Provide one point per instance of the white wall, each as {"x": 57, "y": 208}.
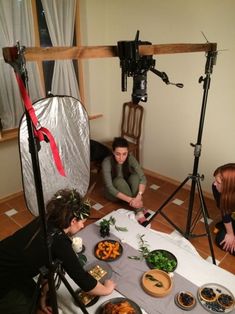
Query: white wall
{"x": 172, "y": 115}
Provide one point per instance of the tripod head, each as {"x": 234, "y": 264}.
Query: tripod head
{"x": 15, "y": 57}
{"x": 136, "y": 66}
{"x": 211, "y": 58}
{"x": 210, "y": 61}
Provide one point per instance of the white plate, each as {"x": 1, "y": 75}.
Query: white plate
{"x": 218, "y": 289}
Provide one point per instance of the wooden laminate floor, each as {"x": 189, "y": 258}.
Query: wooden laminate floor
{"x": 14, "y": 214}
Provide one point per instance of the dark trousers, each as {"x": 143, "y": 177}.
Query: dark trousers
{"x": 129, "y": 187}
{"x": 19, "y": 299}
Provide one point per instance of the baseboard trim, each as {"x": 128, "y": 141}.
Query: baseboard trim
{"x": 146, "y": 171}
{"x": 10, "y": 197}
{"x": 172, "y": 181}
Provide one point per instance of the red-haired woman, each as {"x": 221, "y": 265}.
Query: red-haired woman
{"x": 224, "y": 193}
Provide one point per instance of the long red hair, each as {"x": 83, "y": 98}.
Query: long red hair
{"x": 227, "y": 198}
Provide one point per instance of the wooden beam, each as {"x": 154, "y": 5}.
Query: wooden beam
{"x": 62, "y": 53}
{"x": 176, "y": 48}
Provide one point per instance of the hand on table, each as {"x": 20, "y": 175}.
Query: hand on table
{"x": 109, "y": 285}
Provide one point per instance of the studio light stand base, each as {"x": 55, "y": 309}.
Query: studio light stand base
{"x": 56, "y": 273}
{"x": 195, "y": 178}
{"x": 188, "y": 233}
{"x": 15, "y": 57}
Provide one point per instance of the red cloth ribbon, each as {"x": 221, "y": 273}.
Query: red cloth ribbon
{"x": 39, "y": 131}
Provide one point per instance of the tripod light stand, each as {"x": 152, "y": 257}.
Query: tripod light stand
{"x": 195, "y": 177}
{"x": 15, "y": 57}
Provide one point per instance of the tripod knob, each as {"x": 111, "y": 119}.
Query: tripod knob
{"x": 202, "y": 177}
{"x": 201, "y": 79}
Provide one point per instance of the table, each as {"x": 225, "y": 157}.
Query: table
{"x": 190, "y": 265}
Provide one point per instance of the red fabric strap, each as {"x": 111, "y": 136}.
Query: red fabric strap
{"x": 40, "y": 131}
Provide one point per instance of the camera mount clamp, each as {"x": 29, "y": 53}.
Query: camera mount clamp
{"x": 136, "y": 66}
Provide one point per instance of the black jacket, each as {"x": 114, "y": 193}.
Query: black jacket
{"x": 24, "y": 253}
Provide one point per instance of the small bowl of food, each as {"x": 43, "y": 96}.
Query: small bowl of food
{"x": 225, "y": 300}
{"x": 157, "y": 283}
{"x": 207, "y": 294}
{"x": 216, "y": 298}
{"x": 185, "y": 300}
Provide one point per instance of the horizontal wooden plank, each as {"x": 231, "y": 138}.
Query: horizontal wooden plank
{"x": 62, "y": 53}
{"x": 176, "y": 48}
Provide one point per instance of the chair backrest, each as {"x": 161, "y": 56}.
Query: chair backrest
{"x": 132, "y": 115}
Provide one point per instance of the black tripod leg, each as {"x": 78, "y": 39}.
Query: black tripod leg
{"x": 190, "y": 208}
{"x": 52, "y": 291}
{"x": 36, "y": 295}
{"x": 72, "y": 292}
{"x": 159, "y": 210}
{"x": 44, "y": 272}
{"x": 204, "y": 212}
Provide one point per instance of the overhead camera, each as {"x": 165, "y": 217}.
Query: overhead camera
{"x": 136, "y": 66}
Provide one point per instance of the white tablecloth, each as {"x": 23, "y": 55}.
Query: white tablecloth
{"x": 190, "y": 264}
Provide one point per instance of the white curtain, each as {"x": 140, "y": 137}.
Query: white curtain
{"x": 16, "y": 24}
{"x": 60, "y": 18}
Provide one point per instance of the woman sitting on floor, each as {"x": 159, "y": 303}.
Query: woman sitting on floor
{"x": 224, "y": 194}
{"x": 124, "y": 179}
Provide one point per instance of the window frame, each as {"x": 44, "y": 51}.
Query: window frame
{"x": 9, "y": 134}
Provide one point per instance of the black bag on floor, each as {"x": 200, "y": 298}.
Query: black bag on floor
{"x": 98, "y": 151}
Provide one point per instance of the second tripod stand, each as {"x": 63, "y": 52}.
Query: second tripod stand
{"x": 195, "y": 177}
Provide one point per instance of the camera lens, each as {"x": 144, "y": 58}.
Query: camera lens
{"x": 139, "y": 92}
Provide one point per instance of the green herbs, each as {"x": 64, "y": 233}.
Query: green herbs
{"x": 105, "y": 226}
{"x": 151, "y": 278}
{"x": 161, "y": 260}
{"x": 112, "y": 222}
{"x": 73, "y": 201}
{"x": 85, "y": 208}
{"x": 143, "y": 248}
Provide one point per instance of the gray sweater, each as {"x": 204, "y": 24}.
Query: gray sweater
{"x": 107, "y": 173}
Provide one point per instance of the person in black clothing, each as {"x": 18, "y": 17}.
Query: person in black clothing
{"x": 224, "y": 193}
{"x": 24, "y": 253}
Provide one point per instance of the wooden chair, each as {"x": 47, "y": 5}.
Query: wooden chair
{"x": 131, "y": 127}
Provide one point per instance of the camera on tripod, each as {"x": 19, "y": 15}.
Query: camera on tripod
{"x": 136, "y": 66}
